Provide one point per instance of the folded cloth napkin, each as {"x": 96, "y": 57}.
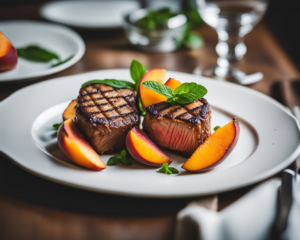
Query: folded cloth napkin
{"x": 250, "y": 217}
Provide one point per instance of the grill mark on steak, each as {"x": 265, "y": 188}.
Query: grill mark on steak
{"x": 112, "y": 104}
{"x": 192, "y": 112}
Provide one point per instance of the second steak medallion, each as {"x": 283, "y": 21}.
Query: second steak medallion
{"x": 181, "y": 128}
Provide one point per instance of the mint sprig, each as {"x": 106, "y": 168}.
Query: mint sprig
{"x": 183, "y": 94}
{"x": 119, "y": 159}
{"x": 137, "y": 71}
{"x": 113, "y": 83}
{"x": 56, "y": 126}
{"x": 216, "y": 128}
{"x": 167, "y": 170}
{"x": 37, "y": 54}
{"x": 142, "y": 110}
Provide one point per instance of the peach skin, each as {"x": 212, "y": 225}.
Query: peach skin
{"x": 143, "y": 150}
{"x": 173, "y": 83}
{"x": 215, "y": 149}
{"x": 70, "y": 111}
{"x": 8, "y": 54}
{"x": 149, "y": 97}
{"x": 73, "y": 144}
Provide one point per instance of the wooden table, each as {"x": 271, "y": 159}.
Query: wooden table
{"x": 34, "y": 208}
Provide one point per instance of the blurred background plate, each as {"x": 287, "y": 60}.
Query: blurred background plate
{"x": 88, "y": 14}
{"x": 59, "y": 39}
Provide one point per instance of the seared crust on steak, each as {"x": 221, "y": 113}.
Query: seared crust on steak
{"x": 105, "y": 115}
{"x": 179, "y": 127}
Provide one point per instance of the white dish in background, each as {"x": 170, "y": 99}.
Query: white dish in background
{"x": 88, "y": 14}
{"x": 269, "y": 140}
{"x": 59, "y": 39}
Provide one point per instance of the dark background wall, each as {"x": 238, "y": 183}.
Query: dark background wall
{"x": 282, "y": 18}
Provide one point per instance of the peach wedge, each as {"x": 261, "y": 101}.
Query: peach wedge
{"x": 73, "y": 144}
{"x": 8, "y": 54}
{"x": 149, "y": 97}
{"x": 215, "y": 149}
{"x": 173, "y": 83}
{"x": 143, "y": 150}
{"x": 70, "y": 111}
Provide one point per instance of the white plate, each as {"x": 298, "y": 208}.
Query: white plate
{"x": 269, "y": 140}
{"x": 88, "y": 14}
{"x": 61, "y": 40}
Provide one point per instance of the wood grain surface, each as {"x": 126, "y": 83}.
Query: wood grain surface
{"x": 34, "y": 208}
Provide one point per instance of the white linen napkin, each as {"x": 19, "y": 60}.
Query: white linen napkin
{"x": 250, "y": 217}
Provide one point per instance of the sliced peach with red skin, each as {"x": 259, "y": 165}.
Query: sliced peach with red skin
{"x": 73, "y": 144}
{"x": 215, "y": 149}
{"x": 143, "y": 150}
{"x": 70, "y": 111}
{"x": 149, "y": 97}
{"x": 173, "y": 83}
{"x": 8, "y": 54}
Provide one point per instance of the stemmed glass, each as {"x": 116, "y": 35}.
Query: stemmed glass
{"x": 232, "y": 20}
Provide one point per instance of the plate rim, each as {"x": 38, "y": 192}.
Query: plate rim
{"x": 253, "y": 180}
{"x": 44, "y": 14}
{"x": 70, "y": 33}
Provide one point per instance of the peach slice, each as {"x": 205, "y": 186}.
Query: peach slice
{"x": 70, "y": 111}
{"x": 173, "y": 83}
{"x": 8, "y": 54}
{"x": 215, "y": 149}
{"x": 142, "y": 149}
{"x": 73, "y": 144}
{"x": 149, "y": 97}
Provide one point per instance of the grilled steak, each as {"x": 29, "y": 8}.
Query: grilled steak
{"x": 179, "y": 127}
{"x": 105, "y": 115}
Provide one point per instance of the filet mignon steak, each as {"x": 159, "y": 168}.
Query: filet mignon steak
{"x": 105, "y": 115}
{"x": 181, "y": 128}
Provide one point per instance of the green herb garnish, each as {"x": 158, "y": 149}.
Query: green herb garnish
{"x": 113, "y": 83}
{"x": 142, "y": 110}
{"x": 62, "y": 62}
{"x": 57, "y": 125}
{"x": 37, "y": 54}
{"x": 119, "y": 159}
{"x": 167, "y": 170}
{"x": 183, "y": 94}
{"x": 216, "y": 128}
{"x": 137, "y": 71}
{"x": 156, "y": 18}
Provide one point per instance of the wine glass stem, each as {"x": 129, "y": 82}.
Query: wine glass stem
{"x": 230, "y": 49}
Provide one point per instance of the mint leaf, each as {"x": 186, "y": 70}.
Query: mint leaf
{"x": 37, "y": 54}
{"x": 189, "y": 92}
{"x": 216, "y": 128}
{"x": 143, "y": 112}
{"x": 172, "y": 100}
{"x": 62, "y": 62}
{"x": 125, "y": 161}
{"x": 137, "y": 71}
{"x": 183, "y": 94}
{"x": 123, "y": 153}
{"x": 173, "y": 170}
{"x": 167, "y": 170}
{"x": 114, "y": 160}
{"x": 113, "y": 83}
{"x": 159, "y": 88}
{"x": 57, "y": 125}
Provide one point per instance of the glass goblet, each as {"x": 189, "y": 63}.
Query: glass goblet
{"x": 232, "y": 20}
